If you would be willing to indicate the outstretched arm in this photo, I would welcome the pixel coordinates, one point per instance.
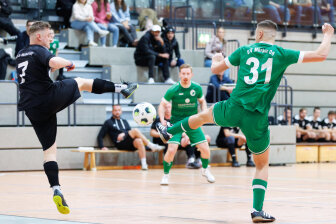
(162, 109)
(218, 64)
(321, 53)
(58, 62)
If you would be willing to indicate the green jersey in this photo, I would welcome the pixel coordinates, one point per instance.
(184, 100)
(54, 46)
(262, 66)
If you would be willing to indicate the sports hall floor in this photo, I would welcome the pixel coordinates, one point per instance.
(304, 193)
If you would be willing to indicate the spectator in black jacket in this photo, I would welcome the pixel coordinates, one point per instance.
(64, 9)
(222, 92)
(23, 39)
(124, 137)
(150, 51)
(5, 22)
(172, 45)
(5, 60)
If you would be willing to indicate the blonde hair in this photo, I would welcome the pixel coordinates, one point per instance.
(185, 66)
(37, 26)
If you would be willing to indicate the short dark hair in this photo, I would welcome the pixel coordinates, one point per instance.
(302, 109)
(268, 24)
(317, 108)
(37, 26)
(287, 108)
(331, 112)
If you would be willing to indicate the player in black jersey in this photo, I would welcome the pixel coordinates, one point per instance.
(41, 98)
(303, 127)
(329, 125)
(316, 124)
(286, 118)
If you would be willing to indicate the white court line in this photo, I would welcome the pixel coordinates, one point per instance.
(2, 174)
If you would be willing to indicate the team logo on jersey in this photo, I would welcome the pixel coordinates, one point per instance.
(181, 94)
(187, 100)
(192, 92)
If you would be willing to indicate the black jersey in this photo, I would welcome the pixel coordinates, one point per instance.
(221, 133)
(329, 124)
(304, 123)
(316, 124)
(32, 67)
(281, 120)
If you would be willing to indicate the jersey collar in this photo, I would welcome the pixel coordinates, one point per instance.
(264, 42)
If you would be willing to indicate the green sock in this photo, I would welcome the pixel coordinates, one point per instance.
(259, 188)
(205, 163)
(179, 127)
(167, 166)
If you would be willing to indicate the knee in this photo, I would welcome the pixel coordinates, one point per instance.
(230, 140)
(137, 142)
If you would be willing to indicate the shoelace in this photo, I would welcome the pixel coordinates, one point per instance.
(161, 127)
(267, 215)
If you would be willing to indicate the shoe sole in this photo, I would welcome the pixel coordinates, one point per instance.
(133, 91)
(261, 220)
(164, 184)
(60, 207)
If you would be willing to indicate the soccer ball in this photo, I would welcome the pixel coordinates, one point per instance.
(144, 114)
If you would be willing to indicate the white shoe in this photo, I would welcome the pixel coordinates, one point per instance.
(156, 147)
(170, 81)
(144, 167)
(150, 81)
(206, 173)
(164, 180)
(93, 44)
(115, 46)
(103, 33)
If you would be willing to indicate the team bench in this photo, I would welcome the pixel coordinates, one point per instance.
(316, 152)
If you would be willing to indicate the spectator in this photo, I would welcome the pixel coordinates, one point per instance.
(286, 118)
(124, 137)
(54, 50)
(275, 9)
(171, 46)
(327, 7)
(216, 45)
(306, 7)
(231, 6)
(103, 15)
(329, 125)
(304, 130)
(5, 22)
(64, 9)
(82, 19)
(231, 139)
(221, 92)
(150, 52)
(5, 60)
(147, 19)
(121, 18)
(22, 40)
(316, 124)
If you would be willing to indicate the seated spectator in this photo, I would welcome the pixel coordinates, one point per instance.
(329, 125)
(231, 139)
(6, 22)
(124, 137)
(103, 15)
(150, 51)
(275, 9)
(64, 9)
(306, 7)
(216, 45)
(171, 46)
(230, 7)
(304, 130)
(286, 118)
(5, 60)
(54, 50)
(82, 19)
(316, 124)
(147, 19)
(327, 7)
(121, 18)
(22, 40)
(221, 92)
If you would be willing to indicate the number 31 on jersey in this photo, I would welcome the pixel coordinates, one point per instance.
(254, 70)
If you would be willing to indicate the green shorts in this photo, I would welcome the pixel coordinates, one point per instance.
(254, 125)
(196, 137)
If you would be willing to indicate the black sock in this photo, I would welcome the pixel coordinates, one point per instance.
(102, 86)
(232, 152)
(51, 170)
(248, 153)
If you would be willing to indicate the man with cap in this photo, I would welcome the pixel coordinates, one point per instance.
(172, 45)
(150, 52)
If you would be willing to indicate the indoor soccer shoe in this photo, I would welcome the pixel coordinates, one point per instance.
(131, 87)
(62, 206)
(206, 173)
(261, 217)
(164, 180)
(164, 135)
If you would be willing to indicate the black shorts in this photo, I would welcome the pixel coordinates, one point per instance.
(222, 143)
(126, 143)
(43, 117)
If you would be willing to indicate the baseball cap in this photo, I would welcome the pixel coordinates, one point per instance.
(156, 28)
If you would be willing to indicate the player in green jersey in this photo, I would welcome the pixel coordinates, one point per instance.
(261, 68)
(185, 96)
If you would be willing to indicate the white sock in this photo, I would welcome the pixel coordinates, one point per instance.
(118, 87)
(56, 187)
(150, 145)
(143, 162)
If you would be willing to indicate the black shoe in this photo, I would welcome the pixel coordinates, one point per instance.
(164, 135)
(261, 217)
(235, 164)
(131, 87)
(61, 204)
(250, 163)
